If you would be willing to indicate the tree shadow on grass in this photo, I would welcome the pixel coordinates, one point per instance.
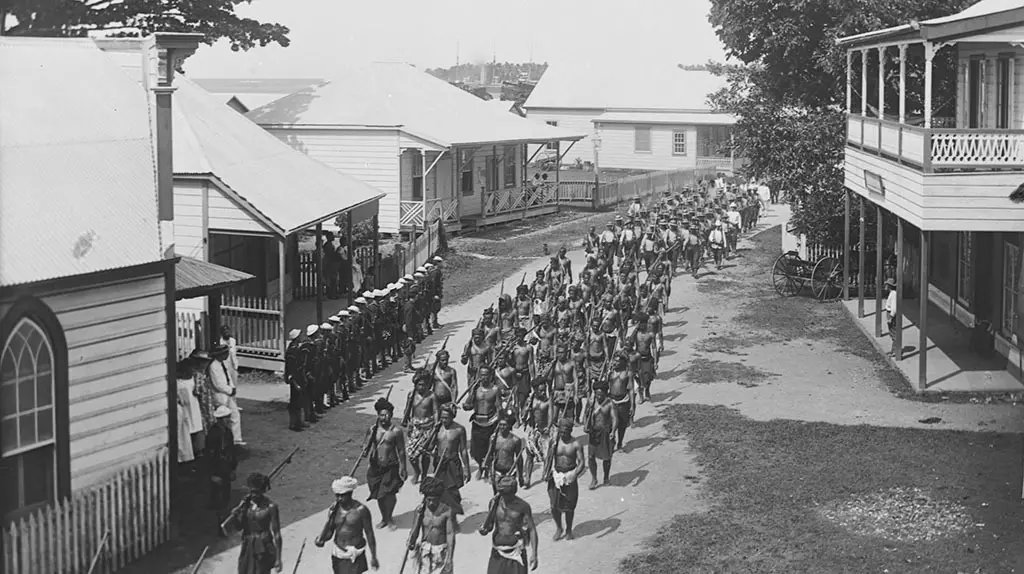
(604, 527)
(650, 443)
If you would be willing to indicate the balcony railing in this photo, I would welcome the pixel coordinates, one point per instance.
(513, 199)
(938, 149)
(722, 164)
(411, 213)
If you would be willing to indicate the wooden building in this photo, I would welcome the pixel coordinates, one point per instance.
(87, 290)
(945, 173)
(438, 152)
(648, 117)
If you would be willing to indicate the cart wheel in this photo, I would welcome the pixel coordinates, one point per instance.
(786, 275)
(827, 279)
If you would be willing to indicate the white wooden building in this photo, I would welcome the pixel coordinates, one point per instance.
(437, 151)
(944, 175)
(87, 289)
(648, 117)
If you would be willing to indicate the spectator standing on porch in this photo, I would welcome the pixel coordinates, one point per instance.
(357, 277)
(890, 313)
(332, 266)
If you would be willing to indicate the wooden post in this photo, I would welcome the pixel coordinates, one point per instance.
(881, 84)
(879, 271)
(376, 251)
(282, 253)
(898, 335)
(846, 244)
(849, 81)
(456, 182)
(903, 85)
(558, 173)
(353, 289)
(864, 83)
(922, 322)
(929, 54)
(215, 319)
(319, 266)
(861, 284)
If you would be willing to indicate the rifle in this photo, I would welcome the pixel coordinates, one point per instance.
(299, 558)
(195, 569)
(499, 354)
(371, 441)
(521, 281)
(277, 470)
(604, 376)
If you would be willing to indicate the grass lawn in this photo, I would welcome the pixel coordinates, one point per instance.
(782, 491)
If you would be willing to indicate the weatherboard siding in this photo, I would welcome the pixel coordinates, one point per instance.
(188, 219)
(117, 373)
(371, 156)
(578, 121)
(618, 148)
(226, 215)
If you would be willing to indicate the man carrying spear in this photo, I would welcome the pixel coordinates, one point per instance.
(451, 453)
(563, 467)
(350, 526)
(420, 419)
(434, 551)
(387, 465)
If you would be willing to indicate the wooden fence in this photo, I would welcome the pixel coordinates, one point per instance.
(187, 329)
(132, 510)
(581, 192)
(255, 322)
(305, 286)
(420, 248)
(623, 190)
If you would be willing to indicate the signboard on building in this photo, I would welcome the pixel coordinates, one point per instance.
(874, 184)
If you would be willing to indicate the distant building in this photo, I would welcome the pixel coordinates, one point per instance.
(639, 119)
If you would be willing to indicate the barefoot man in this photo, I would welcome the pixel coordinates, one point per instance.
(564, 384)
(525, 369)
(387, 461)
(622, 394)
(350, 525)
(647, 347)
(511, 519)
(484, 402)
(565, 466)
(539, 417)
(420, 420)
(505, 455)
(435, 552)
(452, 456)
(602, 425)
(479, 351)
(446, 380)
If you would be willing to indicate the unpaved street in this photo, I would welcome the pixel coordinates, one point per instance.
(716, 354)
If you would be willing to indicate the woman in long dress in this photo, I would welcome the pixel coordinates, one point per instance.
(186, 385)
(357, 277)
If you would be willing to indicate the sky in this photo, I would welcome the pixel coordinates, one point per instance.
(429, 33)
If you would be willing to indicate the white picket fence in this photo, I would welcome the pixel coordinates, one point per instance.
(132, 509)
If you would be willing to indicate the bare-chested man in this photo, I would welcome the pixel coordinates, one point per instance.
(387, 461)
(524, 308)
(350, 525)
(506, 319)
(579, 360)
(565, 465)
(611, 324)
(622, 395)
(484, 402)
(540, 292)
(563, 384)
(504, 457)
(420, 421)
(556, 275)
(647, 349)
(601, 426)
(446, 380)
(525, 368)
(452, 456)
(434, 553)
(538, 423)
(511, 520)
(596, 352)
(565, 263)
(479, 351)
(546, 334)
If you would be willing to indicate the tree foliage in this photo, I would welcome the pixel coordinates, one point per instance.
(215, 19)
(788, 91)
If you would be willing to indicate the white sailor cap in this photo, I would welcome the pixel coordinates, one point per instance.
(294, 334)
(334, 319)
(311, 330)
(421, 269)
(407, 277)
(367, 294)
(360, 301)
(379, 292)
(418, 274)
(354, 309)
(385, 291)
(325, 326)
(428, 265)
(343, 313)
(437, 259)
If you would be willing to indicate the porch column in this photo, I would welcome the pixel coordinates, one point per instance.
(376, 251)
(353, 289)
(879, 271)
(922, 323)
(898, 334)
(860, 261)
(558, 170)
(846, 244)
(929, 54)
(214, 301)
(318, 258)
(864, 83)
(849, 81)
(881, 82)
(282, 253)
(903, 83)
(423, 191)
(456, 182)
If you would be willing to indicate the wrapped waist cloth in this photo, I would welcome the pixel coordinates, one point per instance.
(419, 436)
(514, 553)
(350, 553)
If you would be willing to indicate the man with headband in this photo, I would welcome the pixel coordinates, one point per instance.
(350, 526)
(452, 456)
(432, 539)
(565, 465)
(511, 520)
(484, 401)
(387, 462)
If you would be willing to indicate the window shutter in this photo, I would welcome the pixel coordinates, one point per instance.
(961, 96)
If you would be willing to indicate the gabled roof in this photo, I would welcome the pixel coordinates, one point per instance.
(673, 118)
(285, 187)
(984, 16)
(195, 278)
(77, 177)
(399, 96)
(642, 87)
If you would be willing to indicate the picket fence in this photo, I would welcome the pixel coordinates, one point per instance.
(645, 185)
(305, 287)
(189, 331)
(119, 521)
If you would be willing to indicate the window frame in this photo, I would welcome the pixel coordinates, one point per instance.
(675, 143)
(965, 267)
(416, 174)
(33, 309)
(552, 145)
(1011, 291)
(637, 130)
(509, 166)
(466, 165)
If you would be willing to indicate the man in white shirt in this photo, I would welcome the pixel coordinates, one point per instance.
(735, 220)
(627, 240)
(890, 313)
(608, 237)
(716, 239)
(635, 207)
(225, 387)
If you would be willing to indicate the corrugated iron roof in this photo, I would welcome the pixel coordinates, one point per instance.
(285, 186)
(77, 178)
(978, 10)
(983, 8)
(674, 118)
(194, 278)
(640, 87)
(398, 95)
(235, 86)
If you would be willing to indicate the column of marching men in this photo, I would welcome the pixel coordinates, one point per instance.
(568, 350)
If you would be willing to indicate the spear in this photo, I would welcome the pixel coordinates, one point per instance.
(372, 437)
(299, 558)
(195, 569)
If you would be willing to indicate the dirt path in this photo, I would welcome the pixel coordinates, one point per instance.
(715, 355)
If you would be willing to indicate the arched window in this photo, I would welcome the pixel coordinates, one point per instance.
(33, 407)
